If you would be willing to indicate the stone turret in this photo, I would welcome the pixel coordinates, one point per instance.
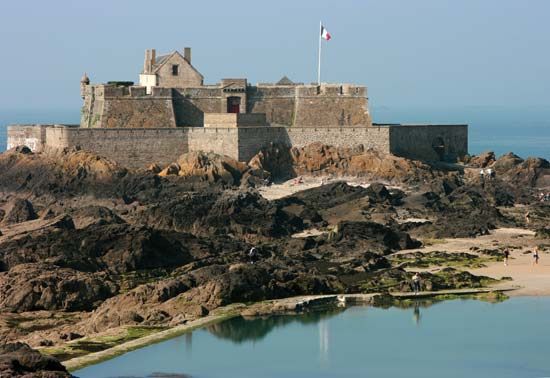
(84, 81)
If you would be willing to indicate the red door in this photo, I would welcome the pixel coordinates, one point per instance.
(233, 104)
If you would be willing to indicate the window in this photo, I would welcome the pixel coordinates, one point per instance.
(175, 69)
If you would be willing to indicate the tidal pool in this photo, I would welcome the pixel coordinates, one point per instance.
(458, 338)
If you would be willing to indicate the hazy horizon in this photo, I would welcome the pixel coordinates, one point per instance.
(421, 54)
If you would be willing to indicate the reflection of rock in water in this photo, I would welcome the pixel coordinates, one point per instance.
(386, 301)
(168, 375)
(189, 342)
(323, 340)
(240, 329)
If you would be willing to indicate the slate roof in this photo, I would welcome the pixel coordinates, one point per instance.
(285, 81)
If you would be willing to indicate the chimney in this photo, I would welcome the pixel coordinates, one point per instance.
(153, 58)
(146, 62)
(187, 54)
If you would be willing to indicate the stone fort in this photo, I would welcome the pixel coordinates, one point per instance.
(172, 112)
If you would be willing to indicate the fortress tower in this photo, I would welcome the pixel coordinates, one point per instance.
(171, 93)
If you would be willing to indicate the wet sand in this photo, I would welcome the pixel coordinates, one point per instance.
(533, 279)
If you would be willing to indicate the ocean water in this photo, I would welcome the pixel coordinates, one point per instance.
(460, 338)
(524, 131)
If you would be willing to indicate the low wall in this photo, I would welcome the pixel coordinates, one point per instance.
(133, 148)
(32, 136)
(138, 148)
(429, 142)
(224, 141)
(251, 139)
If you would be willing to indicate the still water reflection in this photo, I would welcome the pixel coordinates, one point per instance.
(450, 339)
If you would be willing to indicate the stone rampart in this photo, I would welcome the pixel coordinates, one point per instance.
(109, 106)
(133, 148)
(251, 139)
(326, 105)
(224, 141)
(138, 148)
(429, 142)
(286, 105)
(32, 136)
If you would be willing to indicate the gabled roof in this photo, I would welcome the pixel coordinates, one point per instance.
(285, 81)
(162, 59)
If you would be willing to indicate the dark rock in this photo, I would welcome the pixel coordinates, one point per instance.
(70, 336)
(18, 210)
(19, 360)
(482, 160)
(31, 287)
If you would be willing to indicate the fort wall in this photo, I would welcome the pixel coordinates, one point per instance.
(133, 148)
(190, 104)
(224, 141)
(138, 148)
(251, 139)
(109, 106)
(32, 136)
(429, 142)
(326, 105)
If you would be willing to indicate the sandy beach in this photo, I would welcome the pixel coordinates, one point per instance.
(533, 279)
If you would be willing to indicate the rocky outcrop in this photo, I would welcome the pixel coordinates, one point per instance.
(114, 247)
(532, 172)
(214, 168)
(62, 172)
(20, 360)
(18, 210)
(483, 160)
(31, 287)
(319, 159)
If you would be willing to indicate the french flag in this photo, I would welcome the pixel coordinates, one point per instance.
(325, 34)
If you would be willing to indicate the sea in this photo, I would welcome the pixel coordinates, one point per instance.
(523, 131)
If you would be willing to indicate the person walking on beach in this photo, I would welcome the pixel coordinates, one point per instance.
(416, 283)
(536, 256)
(506, 255)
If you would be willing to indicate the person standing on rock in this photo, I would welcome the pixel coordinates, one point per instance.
(416, 283)
(506, 255)
(252, 255)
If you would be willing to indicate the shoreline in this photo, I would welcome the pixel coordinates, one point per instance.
(284, 306)
(520, 286)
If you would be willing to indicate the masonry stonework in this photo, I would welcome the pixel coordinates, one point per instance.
(429, 142)
(172, 112)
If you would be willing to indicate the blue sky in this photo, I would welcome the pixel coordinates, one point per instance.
(422, 53)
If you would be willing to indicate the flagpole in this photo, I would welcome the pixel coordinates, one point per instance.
(319, 60)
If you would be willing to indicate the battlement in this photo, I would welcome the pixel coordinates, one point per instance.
(120, 91)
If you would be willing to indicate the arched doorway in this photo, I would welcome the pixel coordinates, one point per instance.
(438, 144)
(233, 104)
